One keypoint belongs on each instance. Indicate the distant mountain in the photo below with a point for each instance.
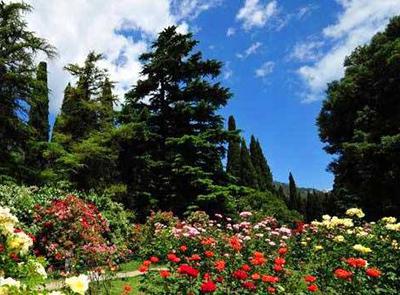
(302, 190)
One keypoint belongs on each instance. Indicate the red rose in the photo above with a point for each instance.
(282, 251)
(195, 257)
(154, 259)
(246, 267)
(312, 288)
(220, 265)
(310, 279)
(249, 285)
(209, 253)
(240, 275)
(143, 268)
(343, 274)
(373, 272)
(208, 287)
(271, 290)
(165, 274)
(183, 248)
(269, 279)
(188, 270)
(280, 261)
(356, 262)
(146, 263)
(173, 258)
(255, 276)
(278, 268)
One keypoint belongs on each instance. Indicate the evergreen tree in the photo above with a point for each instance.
(182, 103)
(360, 125)
(106, 100)
(233, 159)
(83, 147)
(293, 194)
(248, 175)
(264, 175)
(39, 124)
(39, 109)
(18, 48)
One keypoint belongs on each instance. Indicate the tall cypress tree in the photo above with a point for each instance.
(233, 159)
(183, 101)
(18, 48)
(39, 110)
(264, 175)
(292, 202)
(106, 100)
(248, 175)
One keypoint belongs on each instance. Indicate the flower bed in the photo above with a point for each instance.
(333, 256)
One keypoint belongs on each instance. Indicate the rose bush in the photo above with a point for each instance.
(74, 236)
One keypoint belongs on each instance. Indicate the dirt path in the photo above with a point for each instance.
(59, 284)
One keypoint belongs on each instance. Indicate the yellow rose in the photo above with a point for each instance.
(395, 227)
(388, 220)
(79, 284)
(318, 247)
(362, 249)
(339, 239)
(355, 212)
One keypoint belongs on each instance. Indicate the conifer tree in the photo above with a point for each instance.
(82, 142)
(18, 48)
(248, 175)
(264, 175)
(39, 109)
(39, 124)
(293, 194)
(183, 101)
(233, 159)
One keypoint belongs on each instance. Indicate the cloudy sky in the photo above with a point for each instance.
(278, 56)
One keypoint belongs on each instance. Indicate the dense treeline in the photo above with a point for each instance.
(165, 148)
(360, 125)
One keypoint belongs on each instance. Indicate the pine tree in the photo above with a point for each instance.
(183, 102)
(233, 159)
(293, 194)
(248, 175)
(264, 175)
(18, 48)
(83, 147)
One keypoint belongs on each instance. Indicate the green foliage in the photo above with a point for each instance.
(265, 204)
(359, 123)
(187, 138)
(248, 175)
(264, 175)
(233, 156)
(18, 49)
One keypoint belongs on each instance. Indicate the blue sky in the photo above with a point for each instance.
(278, 56)
(271, 107)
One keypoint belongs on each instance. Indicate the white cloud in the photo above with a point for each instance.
(255, 14)
(230, 32)
(265, 69)
(249, 51)
(77, 26)
(307, 51)
(227, 72)
(355, 25)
